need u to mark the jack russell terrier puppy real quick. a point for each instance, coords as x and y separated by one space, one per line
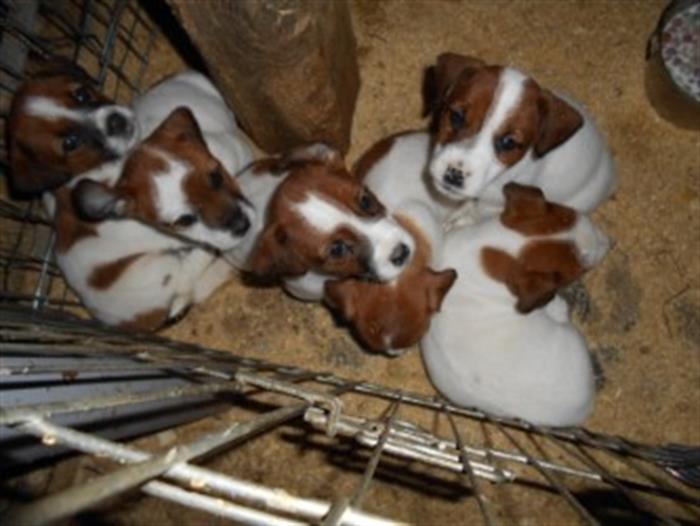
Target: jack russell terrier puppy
494 124
126 272
491 346
391 317
60 126
317 221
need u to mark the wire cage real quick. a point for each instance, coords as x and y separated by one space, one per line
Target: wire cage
70 385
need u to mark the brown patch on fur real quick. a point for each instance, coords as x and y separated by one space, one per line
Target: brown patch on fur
522 124
69 228
149 321
375 153
471 94
528 212
537 273
289 246
394 315
37 160
438 79
104 276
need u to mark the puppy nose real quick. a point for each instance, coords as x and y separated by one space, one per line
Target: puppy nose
117 124
238 223
454 177
399 255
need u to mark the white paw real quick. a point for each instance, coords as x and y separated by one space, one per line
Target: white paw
558 310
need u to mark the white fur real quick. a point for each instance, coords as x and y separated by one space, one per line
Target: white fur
402 175
481 353
168 274
579 173
225 140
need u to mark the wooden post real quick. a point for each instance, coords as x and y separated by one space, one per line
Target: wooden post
287 68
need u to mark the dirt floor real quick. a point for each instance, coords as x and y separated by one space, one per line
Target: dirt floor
639 310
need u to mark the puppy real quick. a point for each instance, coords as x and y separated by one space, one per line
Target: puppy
127 273
491 346
317 221
391 317
60 126
494 124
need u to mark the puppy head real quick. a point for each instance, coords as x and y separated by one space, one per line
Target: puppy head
395 315
172 179
487 119
60 126
322 219
559 245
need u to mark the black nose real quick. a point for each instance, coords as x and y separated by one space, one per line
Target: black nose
454 177
399 255
238 223
117 124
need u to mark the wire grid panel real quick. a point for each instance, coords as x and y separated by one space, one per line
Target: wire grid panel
478 455
112 41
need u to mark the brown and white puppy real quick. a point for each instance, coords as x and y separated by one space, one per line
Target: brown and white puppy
502 341
317 221
129 274
391 317
495 124
60 126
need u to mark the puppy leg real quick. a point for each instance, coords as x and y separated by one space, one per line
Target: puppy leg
215 275
558 310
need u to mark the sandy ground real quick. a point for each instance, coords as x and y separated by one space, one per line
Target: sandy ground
640 309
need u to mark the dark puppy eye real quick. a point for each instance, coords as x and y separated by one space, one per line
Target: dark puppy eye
82 95
185 220
216 179
71 142
457 119
339 249
506 143
366 202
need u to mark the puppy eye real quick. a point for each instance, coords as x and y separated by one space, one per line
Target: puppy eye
506 143
185 220
82 95
71 142
216 179
366 202
339 249
457 119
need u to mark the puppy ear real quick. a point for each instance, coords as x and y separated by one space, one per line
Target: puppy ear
54 65
522 202
439 79
274 256
29 175
533 289
341 295
438 285
94 201
558 121
180 124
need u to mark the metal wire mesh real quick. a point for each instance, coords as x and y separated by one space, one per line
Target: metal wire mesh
79 387
648 483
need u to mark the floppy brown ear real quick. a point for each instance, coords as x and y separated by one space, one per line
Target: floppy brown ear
522 201
180 124
558 121
438 285
438 79
341 295
29 176
533 289
274 256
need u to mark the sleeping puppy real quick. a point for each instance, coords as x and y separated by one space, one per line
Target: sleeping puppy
393 316
503 341
494 124
317 221
126 272
60 126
